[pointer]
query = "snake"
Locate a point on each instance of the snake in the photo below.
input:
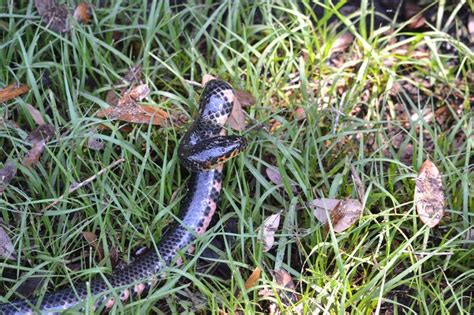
(203, 150)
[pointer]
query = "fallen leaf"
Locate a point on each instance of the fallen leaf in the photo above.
(83, 13)
(237, 118)
(131, 78)
(36, 115)
(128, 110)
(53, 15)
(268, 229)
(253, 278)
(319, 207)
(358, 183)
(12, 91)
(7, 173)
(7, 250)
(343, 213)
(91, 239)
(245, 98)
(136, 94)
(28, 287)
(32, 157)
(140, 114)
(95, 143)
(429, 195)
(274, 175)
(342, 42)
(43, 132)
(283, 279)
(299, 114)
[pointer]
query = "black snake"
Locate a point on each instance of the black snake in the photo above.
(203, 150)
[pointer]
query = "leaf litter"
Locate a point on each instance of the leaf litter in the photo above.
(7, 250)
(7, 173)
(13, 90)
(343, 213)
(429, 195)
(267, 231)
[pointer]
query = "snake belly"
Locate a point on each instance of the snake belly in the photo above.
(203, 150)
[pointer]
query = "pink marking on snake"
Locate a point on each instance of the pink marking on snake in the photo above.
(125, 295)
(139, 288)
(110, 303)
(205, 222)
(217, 185)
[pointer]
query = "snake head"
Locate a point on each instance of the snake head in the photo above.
(216, 102)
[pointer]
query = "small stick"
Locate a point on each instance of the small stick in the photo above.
(84, 183)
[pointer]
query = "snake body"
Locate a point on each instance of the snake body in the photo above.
(203, 150)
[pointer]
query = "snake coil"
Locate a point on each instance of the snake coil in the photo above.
(203, 150)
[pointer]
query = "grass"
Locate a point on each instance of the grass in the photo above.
(276, 50)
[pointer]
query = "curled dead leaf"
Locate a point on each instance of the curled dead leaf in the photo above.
(7, 250)
(236, 119)
(253, 278)
(54, 15)
(429, 195)
(140, 114)
(7, 173)
(95, 143)
(83, 13)
(268, 229)
(360, 188)
(12, 91)
(274, 176)
(245, 98)
(43, 132)
(343, 213)
(32, 157)
(36, 115)
(342, 42)
(91, 239)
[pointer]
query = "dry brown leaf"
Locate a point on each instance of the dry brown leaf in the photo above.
(342, 42)
(274, 175)
(7, 173)
(358, 183)
(268, 229)
(43, 132)
(12, 91)
(253, 278)
(283, 279)
(36, 115)
(95, 143)
(128, 110)
(131, 78)
(54, 15)
(319, 207)
(138, 93)
(7, 250)
(343, 213)
(245, 98)
(83, 13)
(299, 114)
(32, 157)
(140, 114)
(429, 195)
(237, 118)
(91, 239)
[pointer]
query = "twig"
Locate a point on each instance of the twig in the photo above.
(84, 183)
